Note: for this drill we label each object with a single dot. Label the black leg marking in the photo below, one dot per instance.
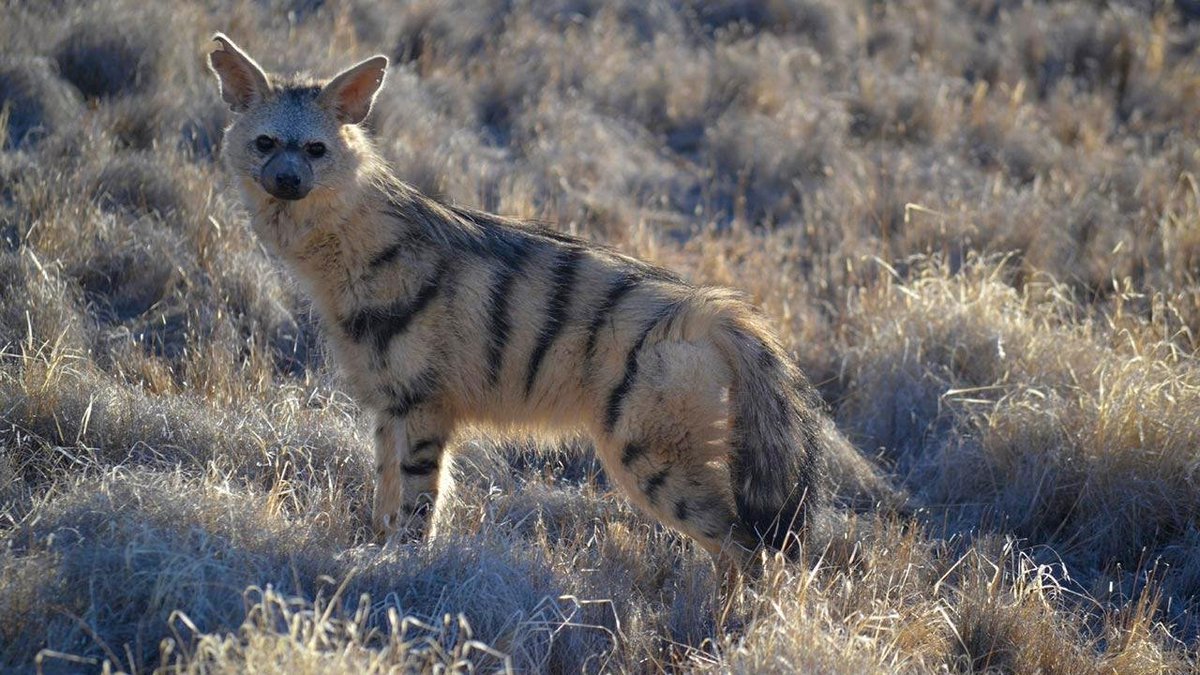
(617, 397)
(653, 483)
(562, 282)
(632, 452)
(381, 324)
(625, 283)
(425, 446)
(420, 467)
(681, 509)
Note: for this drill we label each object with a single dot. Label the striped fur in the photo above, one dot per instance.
(442, 317)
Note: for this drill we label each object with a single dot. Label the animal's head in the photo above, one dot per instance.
(292, 138)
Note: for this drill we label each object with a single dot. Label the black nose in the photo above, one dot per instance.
(288, 186)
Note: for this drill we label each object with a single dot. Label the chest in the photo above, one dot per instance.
(379, 365)
(364, 372)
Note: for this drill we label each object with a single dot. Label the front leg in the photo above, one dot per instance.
(410, 471)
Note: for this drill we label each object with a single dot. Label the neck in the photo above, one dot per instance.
(331, 239)
(329, 235)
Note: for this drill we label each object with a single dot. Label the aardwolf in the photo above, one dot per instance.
(440, 316)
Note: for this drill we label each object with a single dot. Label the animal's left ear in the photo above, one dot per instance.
(350, 94)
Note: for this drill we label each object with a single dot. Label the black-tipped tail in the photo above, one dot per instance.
(778, 434)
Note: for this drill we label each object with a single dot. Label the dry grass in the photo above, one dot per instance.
(977, 224)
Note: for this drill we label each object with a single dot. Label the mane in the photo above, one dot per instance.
(490, 235)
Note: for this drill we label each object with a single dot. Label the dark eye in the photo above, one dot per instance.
(264, 143)
(315, 149)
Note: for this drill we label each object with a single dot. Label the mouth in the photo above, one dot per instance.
(287, 193)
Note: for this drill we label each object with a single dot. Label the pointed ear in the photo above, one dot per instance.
(350, 94)
(242, 80)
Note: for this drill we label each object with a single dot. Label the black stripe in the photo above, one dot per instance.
(499, 324)
(613, 409)
(384, 257)
(381, 324)
(631, 453)
(562, 282)
(411, 395)
(420, 467)
(681, 509)
(403, 404)
(620, 288)
(420, 447)
(653, 483)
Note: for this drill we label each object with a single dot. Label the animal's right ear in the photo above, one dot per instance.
(242, 80)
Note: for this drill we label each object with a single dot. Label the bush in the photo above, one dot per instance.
(35, 102)
(112, 54)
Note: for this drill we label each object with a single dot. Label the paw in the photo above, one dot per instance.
(383, 525)
(400, 523)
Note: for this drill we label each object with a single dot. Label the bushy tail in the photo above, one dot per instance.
(780, 433)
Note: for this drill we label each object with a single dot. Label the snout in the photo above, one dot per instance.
(287, 176)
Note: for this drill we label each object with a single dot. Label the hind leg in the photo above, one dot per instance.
(695, 499)
(671, 453)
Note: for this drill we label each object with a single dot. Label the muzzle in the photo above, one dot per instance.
(287, 175)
